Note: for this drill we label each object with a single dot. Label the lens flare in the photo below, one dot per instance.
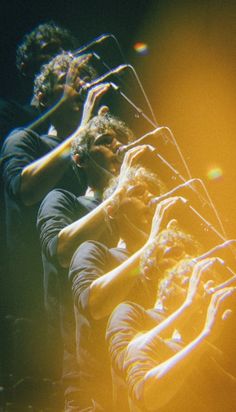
(215, 173)
(141, 48)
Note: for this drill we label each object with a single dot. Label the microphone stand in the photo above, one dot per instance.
(131, 103)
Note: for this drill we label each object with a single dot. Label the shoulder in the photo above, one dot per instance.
(58, 205)
(91, 257)
(65, 202)
(60, 196)
(125, 315)
(118, 254)
(20, 139)
(93, 249)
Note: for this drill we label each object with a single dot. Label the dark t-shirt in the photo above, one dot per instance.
(202, 391)
(127, 320)
(92, 260)
(59, 209)
(24, 281)
(13, 115)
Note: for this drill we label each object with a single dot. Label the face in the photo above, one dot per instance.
(168, 252)
(172, 289)
(45, 51)
(135, 208)
(105, 150)
(70, 110)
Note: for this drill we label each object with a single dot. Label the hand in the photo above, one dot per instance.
(92, 99)
(219, 310)
(73, 81)
(225, 251)
(198, 279)
(163, 209)
(131, 158)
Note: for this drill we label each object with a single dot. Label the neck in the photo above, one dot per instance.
(63, 130)
(133, 237)
(94, 193)
(64, 121)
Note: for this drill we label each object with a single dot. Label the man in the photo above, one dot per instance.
(36, 48)
(32, 165)
(65, 221)
(99, 282)
(155, 353)
(61, 209)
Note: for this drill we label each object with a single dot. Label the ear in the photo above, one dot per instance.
(41, 100)
(173, 224)
(76, 158)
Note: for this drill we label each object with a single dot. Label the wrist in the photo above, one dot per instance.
(152, 238)
(112, 204)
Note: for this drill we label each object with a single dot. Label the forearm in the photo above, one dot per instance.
(46, 115)
(112, 288)
(175, 321)
(163, 381)
(40, 176)
(88, 227)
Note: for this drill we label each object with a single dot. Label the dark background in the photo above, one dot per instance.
(188, 72)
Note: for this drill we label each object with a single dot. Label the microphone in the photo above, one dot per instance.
(87, 46)
(104, 77)
(147, 139)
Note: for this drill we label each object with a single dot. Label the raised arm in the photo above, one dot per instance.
(41, 176)
(162, 382)
(90, 226)
(112, 288)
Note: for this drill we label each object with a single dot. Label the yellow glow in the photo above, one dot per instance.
(190, 80)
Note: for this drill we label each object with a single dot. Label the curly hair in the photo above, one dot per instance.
(182, 270)
(29, 48)
(135, 175)
(47, 78)
(100, 125)
(178, 237)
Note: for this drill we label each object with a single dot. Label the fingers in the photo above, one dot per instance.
(92, 100)
(219, 310)
(221, 295)
(229, 282)
(217, 274)
(165, 206)
(133, 155)
(173, 200)
(227, 313)
(75, 66)
(97, 92)
(205, 264)
(103, 110)
(200, 270)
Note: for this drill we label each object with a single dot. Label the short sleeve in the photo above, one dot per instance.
(21, 148)
(88, 263)
(125, 322)
(142, 355)
(59, 209)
